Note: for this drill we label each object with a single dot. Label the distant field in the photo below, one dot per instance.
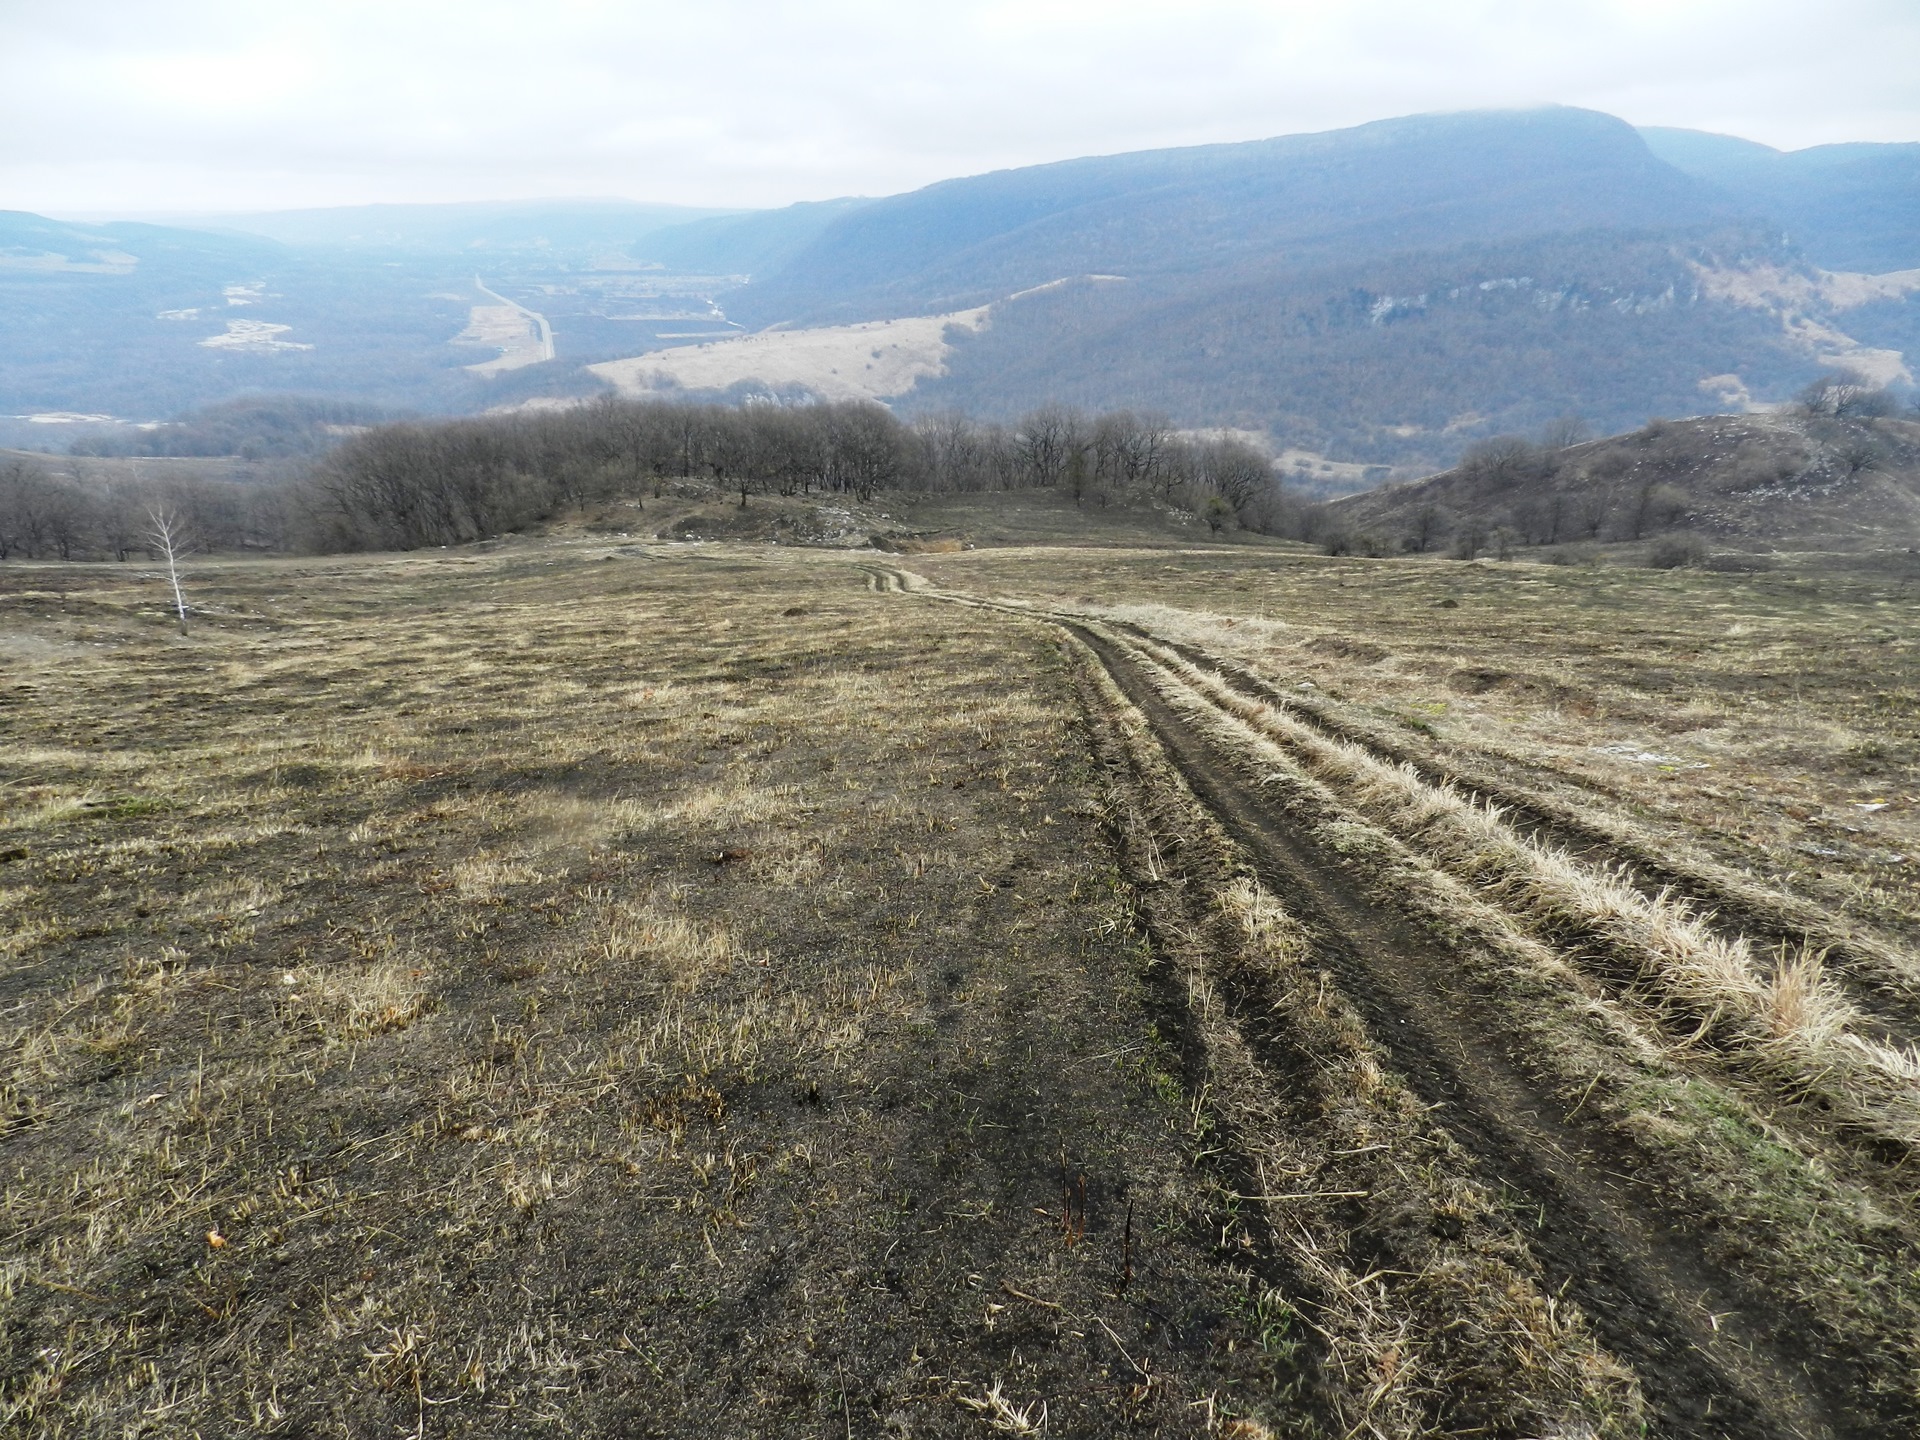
(836, 362)
(624, 987)
(522, 336)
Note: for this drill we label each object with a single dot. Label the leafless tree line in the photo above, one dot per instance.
(409, 485)
(65, 510)
(405, 486)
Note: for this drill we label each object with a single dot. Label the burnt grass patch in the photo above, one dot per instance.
(406, 1061)
(707, 990)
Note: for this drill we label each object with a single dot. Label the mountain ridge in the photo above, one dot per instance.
(1321, 195)
(1388, 292)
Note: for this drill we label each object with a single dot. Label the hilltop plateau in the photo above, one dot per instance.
(643, 987)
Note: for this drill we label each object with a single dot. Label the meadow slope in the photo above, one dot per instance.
(648, 988)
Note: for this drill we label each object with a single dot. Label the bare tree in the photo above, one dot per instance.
(633, 439)
(120, 520)
(1859, 450)
(1145, 451)
(1654, 505)
(16, 500)
(1049, 438)
(1565, 432)
(1593, 506)
(1429, 523)
(69, 519)
(1848, 395)
(167, 538)
(1504, 461)
(954, 452)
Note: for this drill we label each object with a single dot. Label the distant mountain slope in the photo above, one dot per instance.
(479, 228)
(143, 321)
(755, 244)
(1798, 480)
(1385, 294)
(35, 246)
(1402, 359)
(367, 304)
(1389, 292)
(1849, 207)
(1417, 183)
(277, 427)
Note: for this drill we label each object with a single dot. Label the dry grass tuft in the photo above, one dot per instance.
(1710, 977)
(350, 1002)
(658, 943)
(1002, 1415)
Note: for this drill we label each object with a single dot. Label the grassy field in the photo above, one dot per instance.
(638, 988)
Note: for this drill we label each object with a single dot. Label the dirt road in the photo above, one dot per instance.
(1493, 1019)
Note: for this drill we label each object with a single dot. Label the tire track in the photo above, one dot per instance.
(1872, 1049)
(1651, 1297)
(1883, 981)
(1717, 1357)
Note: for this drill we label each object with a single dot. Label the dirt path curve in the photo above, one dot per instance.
(1714, 1358)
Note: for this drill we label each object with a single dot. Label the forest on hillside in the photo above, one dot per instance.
(406, 485)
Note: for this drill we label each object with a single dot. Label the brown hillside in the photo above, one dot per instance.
(1784, 477)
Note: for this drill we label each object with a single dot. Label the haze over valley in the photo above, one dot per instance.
(1385, 295)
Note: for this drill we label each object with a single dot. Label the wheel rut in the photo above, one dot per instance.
(1873, 978)
(1708, 1364)
(1718, 1351)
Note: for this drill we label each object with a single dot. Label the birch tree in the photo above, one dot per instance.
(167, 538)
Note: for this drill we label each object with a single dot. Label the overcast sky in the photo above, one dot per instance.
(150, 105)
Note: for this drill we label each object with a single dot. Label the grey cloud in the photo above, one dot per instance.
(208, 104)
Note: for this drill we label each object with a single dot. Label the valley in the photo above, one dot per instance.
(1382, 296)
(1263, 790)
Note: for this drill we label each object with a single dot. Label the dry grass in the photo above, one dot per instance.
(672, 990)
(1787, 1019)
(1769, 708)
(1786, 1212)
(525, 991)
(1784, 1216)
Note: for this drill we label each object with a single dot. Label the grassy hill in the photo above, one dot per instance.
(1781, 480)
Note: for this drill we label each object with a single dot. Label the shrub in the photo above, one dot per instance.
(1677, 551)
